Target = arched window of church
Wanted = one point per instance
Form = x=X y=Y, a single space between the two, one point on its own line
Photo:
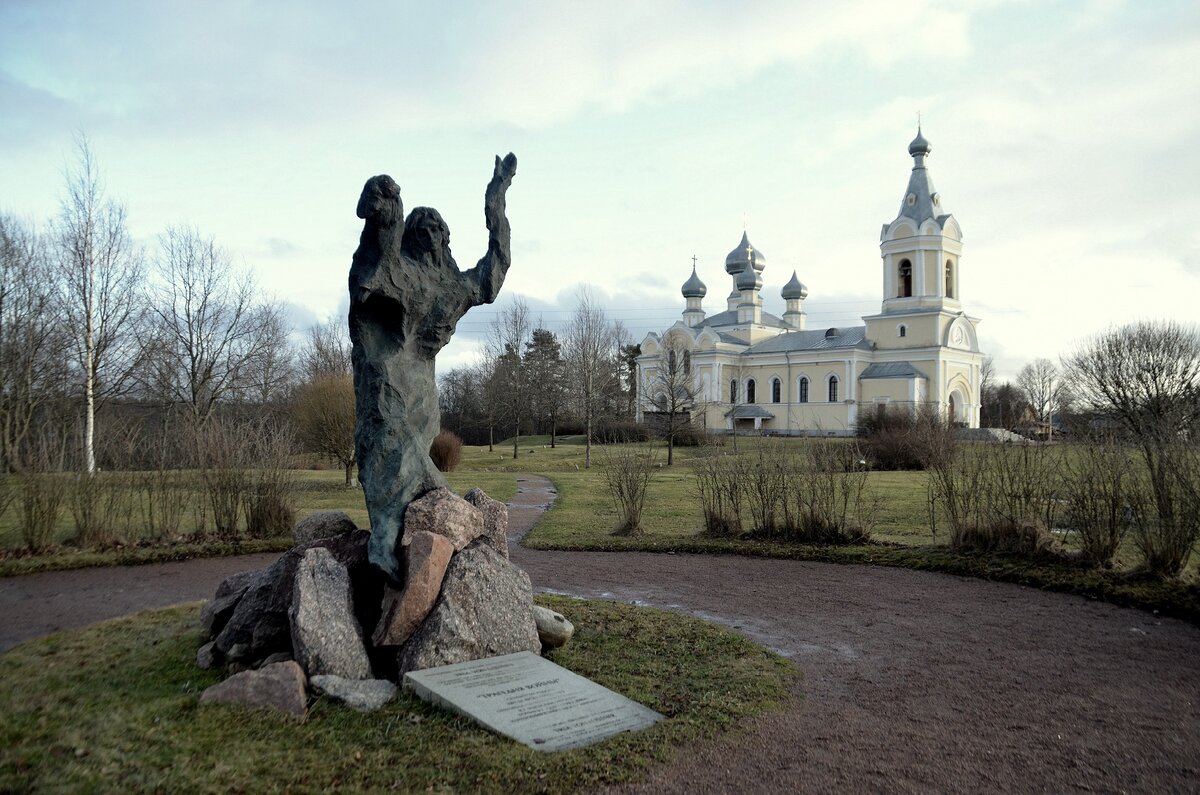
x=775 y=390
x=750 y=391
x=687 y=362
x=903 y=331
x=671 y=362
x=949 y=279
x=833 y=392
x=803 y=389
x=905 y=279
x=733 y=391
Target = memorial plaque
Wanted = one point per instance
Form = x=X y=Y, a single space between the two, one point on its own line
x=531 y=700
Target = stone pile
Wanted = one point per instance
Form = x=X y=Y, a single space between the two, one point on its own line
x=322 y=618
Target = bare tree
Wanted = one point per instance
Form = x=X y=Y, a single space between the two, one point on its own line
x=1045 y=389
x=32 y=339
x=507 y=338
x=212 y=331
x=1146 y=375
x=101 y=273
x=327 y=349
x=325 y=418
x=588 y=345
x=672 y=389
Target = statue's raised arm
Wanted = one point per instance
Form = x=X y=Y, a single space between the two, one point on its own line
x=491 y=269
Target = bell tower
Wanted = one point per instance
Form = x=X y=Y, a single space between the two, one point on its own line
x=921 y=247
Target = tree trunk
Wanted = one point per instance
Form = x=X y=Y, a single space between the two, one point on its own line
x=89 y=389
x=670 y=449
x=349 y=468
x=553 y=428
x=516 y=439
x=490 y=435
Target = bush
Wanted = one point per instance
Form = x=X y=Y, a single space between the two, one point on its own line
x=719 y=489
x=267 y=502
x=999 y=497
x=1168 y=523
x=693 y=436
x=41 y=498
x=446 y=451
x=904 y=439
x=627 y=473
x=610 y=431
x=1103 y=493
x=100 y=505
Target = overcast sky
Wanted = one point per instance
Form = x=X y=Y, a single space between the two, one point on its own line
x=1065 y=141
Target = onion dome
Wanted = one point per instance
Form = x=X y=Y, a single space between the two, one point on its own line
x=693 y=287
x=745 y=254
x=794 y=289
x=749 y=279
x=919 y=145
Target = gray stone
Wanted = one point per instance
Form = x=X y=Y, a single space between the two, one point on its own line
x=406 y=296
x=277 y=657
x=364 y=695
x=485 y=609
x=326 y=637
x=260 y=626
x=443 y=513
x=425 y=562
x=495 y=519
x=531 y=700
x=205 y=656
x=216 y=611
x=279 y=686
x=553 y=628
x=323 y=524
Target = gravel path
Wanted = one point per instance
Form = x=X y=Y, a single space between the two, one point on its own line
x=913 y=682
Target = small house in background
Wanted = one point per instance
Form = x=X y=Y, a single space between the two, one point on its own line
x=747 y=370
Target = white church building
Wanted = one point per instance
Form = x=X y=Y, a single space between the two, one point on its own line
x=747 y=370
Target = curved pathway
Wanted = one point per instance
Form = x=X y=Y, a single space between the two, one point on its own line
x=913 y=682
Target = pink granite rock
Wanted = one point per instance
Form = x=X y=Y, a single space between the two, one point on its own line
x=443 y=513
x=495 y=519
x=426 y=558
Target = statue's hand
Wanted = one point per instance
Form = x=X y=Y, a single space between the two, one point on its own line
x=504 y=171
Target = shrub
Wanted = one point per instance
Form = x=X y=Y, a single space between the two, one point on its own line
x=693 y=436
x=1168 y=523
x=999 y=497
x=826 y=500
x=100 y=506
x=627 y=473
x=610 y=431
x=718 y=487
x=904 y=438
x=1103 y=494
x=41 y=498
x=267 y=502
x=446 y=451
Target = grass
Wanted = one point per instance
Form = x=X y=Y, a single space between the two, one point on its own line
x=114 y=707
x=315 y=491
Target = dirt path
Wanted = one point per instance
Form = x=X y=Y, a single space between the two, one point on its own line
x=913 y=681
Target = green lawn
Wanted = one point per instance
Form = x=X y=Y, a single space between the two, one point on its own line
x=114 y=707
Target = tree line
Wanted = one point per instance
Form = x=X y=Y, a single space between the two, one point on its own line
x=529 y=380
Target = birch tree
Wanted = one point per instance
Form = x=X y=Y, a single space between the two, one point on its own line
x=100 y=276
x=588 y=344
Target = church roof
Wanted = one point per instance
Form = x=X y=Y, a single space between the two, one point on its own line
x=814 y=340
x=891 y=370
x=730 y=318
x=693 y=287
x=921 y=201
x=794 y=289
x=745 y=254
x=745 y=412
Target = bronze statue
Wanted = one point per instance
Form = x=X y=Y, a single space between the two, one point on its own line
x=406 y=296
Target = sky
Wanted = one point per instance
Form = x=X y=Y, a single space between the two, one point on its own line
x=1066 y=141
